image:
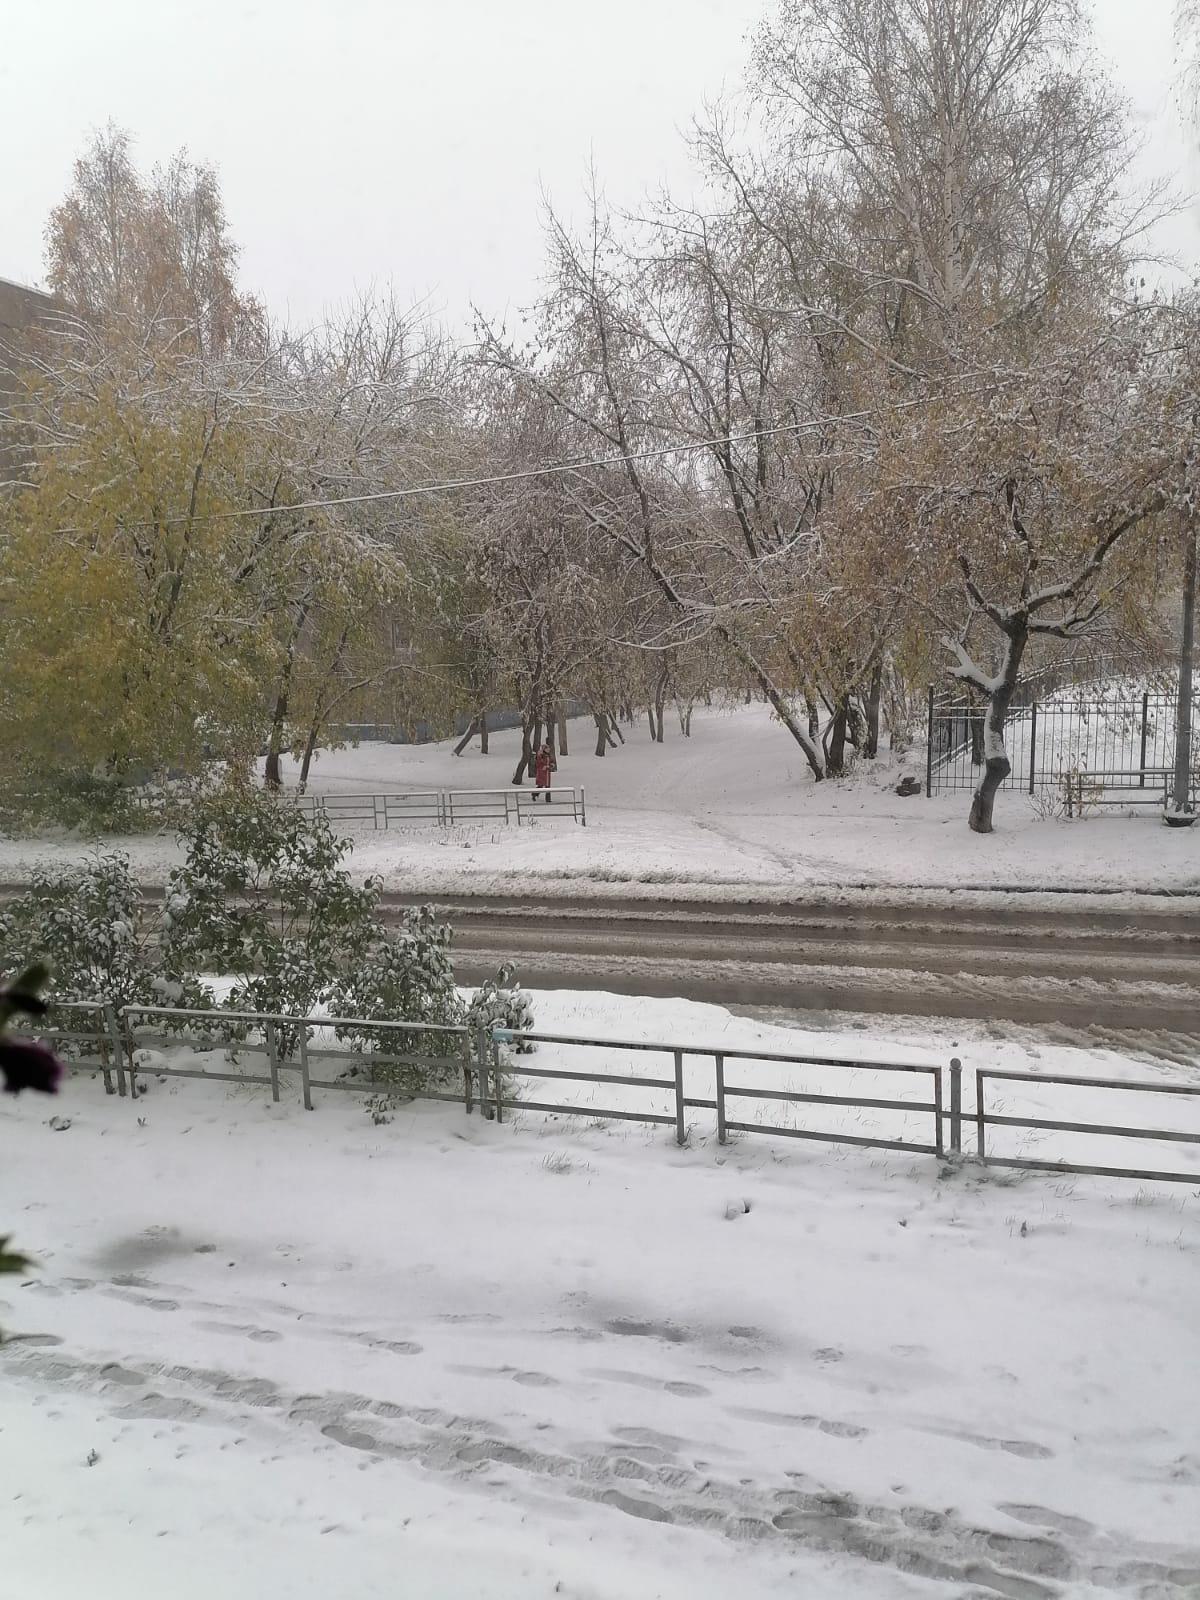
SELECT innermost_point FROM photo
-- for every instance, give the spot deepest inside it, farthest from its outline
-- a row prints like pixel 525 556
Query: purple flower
pixel 25 1064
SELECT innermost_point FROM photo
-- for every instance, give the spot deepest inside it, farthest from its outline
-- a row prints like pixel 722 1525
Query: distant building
pixel 21 309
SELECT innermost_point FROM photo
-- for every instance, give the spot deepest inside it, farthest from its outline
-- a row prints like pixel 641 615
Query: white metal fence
pixel 448 808
pixel 456 1063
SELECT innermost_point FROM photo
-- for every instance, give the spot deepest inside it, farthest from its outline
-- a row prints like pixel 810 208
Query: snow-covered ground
pixel 730 810
pixel 309 1356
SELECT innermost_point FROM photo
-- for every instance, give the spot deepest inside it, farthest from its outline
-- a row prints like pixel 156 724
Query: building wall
pixel 21 309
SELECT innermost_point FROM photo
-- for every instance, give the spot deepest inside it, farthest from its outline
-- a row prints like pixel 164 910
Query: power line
pixel 584 464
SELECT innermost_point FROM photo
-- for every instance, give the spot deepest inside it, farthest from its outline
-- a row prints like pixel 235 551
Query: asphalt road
pixel 1100 972
pixel 1105 969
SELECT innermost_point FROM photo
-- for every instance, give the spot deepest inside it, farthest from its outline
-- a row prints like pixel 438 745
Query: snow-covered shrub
pixel 406 975
pixel 263 898
pixel 90 923
pixel 500 1003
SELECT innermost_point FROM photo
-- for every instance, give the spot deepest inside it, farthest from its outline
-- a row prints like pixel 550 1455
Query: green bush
pixel 263 898
pixel 97 933
pixel 500 1003
pixel 407 975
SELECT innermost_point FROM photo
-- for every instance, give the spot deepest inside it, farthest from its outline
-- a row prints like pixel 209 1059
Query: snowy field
pixel 310 1356
pixel 730 810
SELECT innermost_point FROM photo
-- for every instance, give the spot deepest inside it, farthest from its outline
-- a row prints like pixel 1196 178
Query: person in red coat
pixel 542 766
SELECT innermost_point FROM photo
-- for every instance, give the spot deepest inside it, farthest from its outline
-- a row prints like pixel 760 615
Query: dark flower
pixel 18 1000
pixel 24 992
pixel 25 1064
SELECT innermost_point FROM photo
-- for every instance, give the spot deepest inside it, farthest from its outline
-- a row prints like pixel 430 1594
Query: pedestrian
pixel 541 770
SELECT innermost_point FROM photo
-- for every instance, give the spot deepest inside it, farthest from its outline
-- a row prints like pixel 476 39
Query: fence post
pixel 127 1044
pixel 939 1141
pixel 497 1084
pixel 720 1065
pixel 1145 729
pixel 929 746
pixel 980 1117
pixel 1032 743
pixel 468 1097
pixel 955 1107
pixel 680 1127
pixel 302 1047
pixel 116 1045
pixel 481 1067
pixel 583 808
pixel 273 1060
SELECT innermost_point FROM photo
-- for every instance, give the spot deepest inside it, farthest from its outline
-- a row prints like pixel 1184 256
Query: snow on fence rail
pixel 448 807
pixel 468 1067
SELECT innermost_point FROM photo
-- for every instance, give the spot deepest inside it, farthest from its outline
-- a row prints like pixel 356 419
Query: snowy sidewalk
pixel 730 813
pixel 317 1356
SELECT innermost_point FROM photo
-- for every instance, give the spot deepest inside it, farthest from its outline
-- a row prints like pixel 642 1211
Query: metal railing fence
pixel 463 1065
pixel 986 1118
pixel 675 1091
pixel 448 808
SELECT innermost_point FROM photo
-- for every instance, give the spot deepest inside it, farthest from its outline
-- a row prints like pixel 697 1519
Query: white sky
pixel 364 142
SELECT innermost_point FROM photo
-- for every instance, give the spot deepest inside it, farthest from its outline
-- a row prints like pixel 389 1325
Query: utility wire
pixel 581 465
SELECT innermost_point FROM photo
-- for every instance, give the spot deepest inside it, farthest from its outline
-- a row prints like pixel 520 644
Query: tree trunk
pixel 835 741
pixel 1181 787
pixel 601 732
pixel 483 733
pixel 272 774
pixel 814 717
pixel 812 750
pixel 874 697
pixel 996 763
pixel 660 696
pixel 310 745
pixel 562 732
pixel 613 730
pixel 467 737
pixel 525 764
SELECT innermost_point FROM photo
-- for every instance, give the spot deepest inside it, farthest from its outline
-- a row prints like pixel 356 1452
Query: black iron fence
pixel 1092 749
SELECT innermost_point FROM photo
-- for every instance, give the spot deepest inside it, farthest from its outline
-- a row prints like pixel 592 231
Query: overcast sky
pixel 364 142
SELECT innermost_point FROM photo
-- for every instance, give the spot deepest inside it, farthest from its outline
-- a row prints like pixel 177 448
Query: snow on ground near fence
pixel 315 1356
pixel 732 809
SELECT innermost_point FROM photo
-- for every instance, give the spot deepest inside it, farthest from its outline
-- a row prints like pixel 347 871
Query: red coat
pixel 541 769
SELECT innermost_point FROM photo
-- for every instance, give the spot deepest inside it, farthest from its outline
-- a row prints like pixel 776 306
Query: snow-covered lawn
pixel 440 1357
pixel 731 809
